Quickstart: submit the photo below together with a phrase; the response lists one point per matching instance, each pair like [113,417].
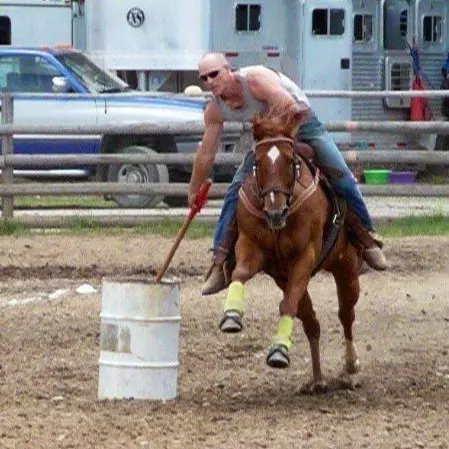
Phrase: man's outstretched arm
[205,155]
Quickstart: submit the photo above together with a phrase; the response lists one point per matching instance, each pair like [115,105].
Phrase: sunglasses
[210,75]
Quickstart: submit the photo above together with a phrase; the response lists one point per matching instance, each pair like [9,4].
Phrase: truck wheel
[177,201]
[137,173]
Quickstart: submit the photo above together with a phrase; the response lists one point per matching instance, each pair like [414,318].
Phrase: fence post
[7,148]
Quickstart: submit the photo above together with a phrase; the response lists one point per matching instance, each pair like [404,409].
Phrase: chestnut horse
[285,218]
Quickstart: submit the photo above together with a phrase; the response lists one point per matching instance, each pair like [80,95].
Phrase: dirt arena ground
[227,396]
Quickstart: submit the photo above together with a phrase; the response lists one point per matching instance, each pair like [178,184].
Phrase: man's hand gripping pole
[200,201]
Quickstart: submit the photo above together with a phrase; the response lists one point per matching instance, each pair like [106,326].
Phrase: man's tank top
[251,105]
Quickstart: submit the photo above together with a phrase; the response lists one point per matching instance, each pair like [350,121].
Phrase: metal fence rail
[196,128]
[351,157]
[179,189]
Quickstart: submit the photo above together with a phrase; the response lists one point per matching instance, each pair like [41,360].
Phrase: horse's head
[277,165]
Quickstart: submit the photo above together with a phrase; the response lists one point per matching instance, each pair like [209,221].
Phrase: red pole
[200,201]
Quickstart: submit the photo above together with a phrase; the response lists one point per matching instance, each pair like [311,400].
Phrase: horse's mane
[277,121]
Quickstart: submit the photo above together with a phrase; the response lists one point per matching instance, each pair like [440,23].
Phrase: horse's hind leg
[348,290]
[312,330]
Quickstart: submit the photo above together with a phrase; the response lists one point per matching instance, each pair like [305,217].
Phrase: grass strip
[431,225]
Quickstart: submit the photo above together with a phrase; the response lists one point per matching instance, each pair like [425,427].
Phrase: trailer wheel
[137,173]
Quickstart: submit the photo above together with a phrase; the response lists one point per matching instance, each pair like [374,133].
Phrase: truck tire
[177,201]
[140,173]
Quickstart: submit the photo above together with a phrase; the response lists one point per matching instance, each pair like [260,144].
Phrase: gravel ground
[227,396]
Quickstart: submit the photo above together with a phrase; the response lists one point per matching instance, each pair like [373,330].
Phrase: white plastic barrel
[139,339]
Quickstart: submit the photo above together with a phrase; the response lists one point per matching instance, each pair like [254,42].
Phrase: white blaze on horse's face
[273,153]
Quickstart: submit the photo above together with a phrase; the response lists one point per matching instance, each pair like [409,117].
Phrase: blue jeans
[327,154]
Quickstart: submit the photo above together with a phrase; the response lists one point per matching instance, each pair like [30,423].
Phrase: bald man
[238,96]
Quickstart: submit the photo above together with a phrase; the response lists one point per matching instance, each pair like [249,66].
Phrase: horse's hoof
[314,388]
[349,381]
[231,323]
[278,357]
[353,367]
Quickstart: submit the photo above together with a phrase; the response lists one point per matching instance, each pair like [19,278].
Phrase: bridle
[296,168]
[293,205]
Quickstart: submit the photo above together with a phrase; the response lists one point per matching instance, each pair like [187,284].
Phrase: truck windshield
[92,76]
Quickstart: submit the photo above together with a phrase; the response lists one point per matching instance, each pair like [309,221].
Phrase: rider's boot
[218,276]
[369,242]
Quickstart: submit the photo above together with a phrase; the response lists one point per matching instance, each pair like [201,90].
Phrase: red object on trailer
[419,106]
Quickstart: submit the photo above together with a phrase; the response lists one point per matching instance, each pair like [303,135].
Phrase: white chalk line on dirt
[84,289]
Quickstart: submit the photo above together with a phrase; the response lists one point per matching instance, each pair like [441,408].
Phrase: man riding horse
[239,96]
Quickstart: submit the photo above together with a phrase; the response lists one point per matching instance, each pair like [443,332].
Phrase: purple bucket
[402,177]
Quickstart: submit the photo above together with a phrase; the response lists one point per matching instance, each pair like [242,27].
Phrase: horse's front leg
[249,261]
[290,307]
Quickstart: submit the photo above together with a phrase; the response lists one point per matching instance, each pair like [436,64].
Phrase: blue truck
[25,71]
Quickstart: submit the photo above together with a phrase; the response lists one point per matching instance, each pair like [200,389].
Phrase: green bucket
[376,176]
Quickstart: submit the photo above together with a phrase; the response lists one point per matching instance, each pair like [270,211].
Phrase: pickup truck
[24,71]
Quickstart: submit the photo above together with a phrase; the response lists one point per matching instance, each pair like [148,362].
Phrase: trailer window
[363,28]
[399,77]
[247,17]
[5,30]
[403,23]
[432,28]
[327,22]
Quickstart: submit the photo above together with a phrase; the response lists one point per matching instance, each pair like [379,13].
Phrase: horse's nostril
[274,215]
[276,219]
[270,213]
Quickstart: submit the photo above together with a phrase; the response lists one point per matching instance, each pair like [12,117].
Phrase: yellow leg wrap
[234,298]
[284,333]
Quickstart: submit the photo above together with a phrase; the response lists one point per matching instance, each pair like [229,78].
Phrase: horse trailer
[41,23]
[343,45]
[321,44]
